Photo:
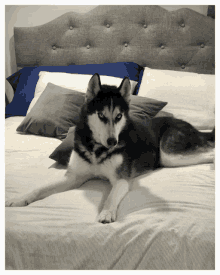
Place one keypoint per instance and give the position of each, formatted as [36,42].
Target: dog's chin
[102,145]
[110,146]
[106,145]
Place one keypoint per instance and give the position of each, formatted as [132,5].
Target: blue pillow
[29,76]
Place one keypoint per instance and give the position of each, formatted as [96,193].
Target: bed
[167,220]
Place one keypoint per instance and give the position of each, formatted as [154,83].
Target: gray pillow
[56,110]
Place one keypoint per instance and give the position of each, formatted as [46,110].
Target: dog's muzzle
[111,142]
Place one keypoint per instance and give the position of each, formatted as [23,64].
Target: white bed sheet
[167,220]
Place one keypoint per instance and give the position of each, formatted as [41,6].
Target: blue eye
[118,117]
[101,116]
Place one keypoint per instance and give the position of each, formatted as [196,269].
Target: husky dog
[109,144]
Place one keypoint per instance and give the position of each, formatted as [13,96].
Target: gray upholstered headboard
[148,35]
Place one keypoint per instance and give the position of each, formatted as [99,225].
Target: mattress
[166,221]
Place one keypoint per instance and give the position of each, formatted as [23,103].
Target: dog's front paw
[21,201]
[107,216]
[16,202]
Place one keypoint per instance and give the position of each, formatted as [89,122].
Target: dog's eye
[118,117]
[101,116]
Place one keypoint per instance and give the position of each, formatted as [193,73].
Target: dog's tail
[211,136]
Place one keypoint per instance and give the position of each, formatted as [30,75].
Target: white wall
[27,16]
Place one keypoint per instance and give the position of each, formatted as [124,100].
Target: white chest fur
[107,169]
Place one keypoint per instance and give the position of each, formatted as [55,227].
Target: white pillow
[190,96]
[76,82]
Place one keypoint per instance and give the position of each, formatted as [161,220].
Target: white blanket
[167,220]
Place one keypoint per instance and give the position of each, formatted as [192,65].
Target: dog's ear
[94,87]
[125,89]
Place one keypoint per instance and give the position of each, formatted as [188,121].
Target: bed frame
[182,40]
[60,232]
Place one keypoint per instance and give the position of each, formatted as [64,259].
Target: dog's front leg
[67,182]
[119,189]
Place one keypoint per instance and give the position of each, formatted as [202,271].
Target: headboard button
[162,47]
[71,27]
[108,26]
[202,45]
[182,25]
[145,26]
[126,44]
[183,66]
[54,47]
[88,46]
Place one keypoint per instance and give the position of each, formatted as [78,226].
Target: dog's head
[107,110]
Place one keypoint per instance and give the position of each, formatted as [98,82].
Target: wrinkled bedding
[167,220]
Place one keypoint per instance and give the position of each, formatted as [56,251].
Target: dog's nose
[111,141]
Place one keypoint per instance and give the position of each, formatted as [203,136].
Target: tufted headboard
[148,35]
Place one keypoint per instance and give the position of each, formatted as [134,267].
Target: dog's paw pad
[107,216]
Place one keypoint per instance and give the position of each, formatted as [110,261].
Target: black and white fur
[108,144]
